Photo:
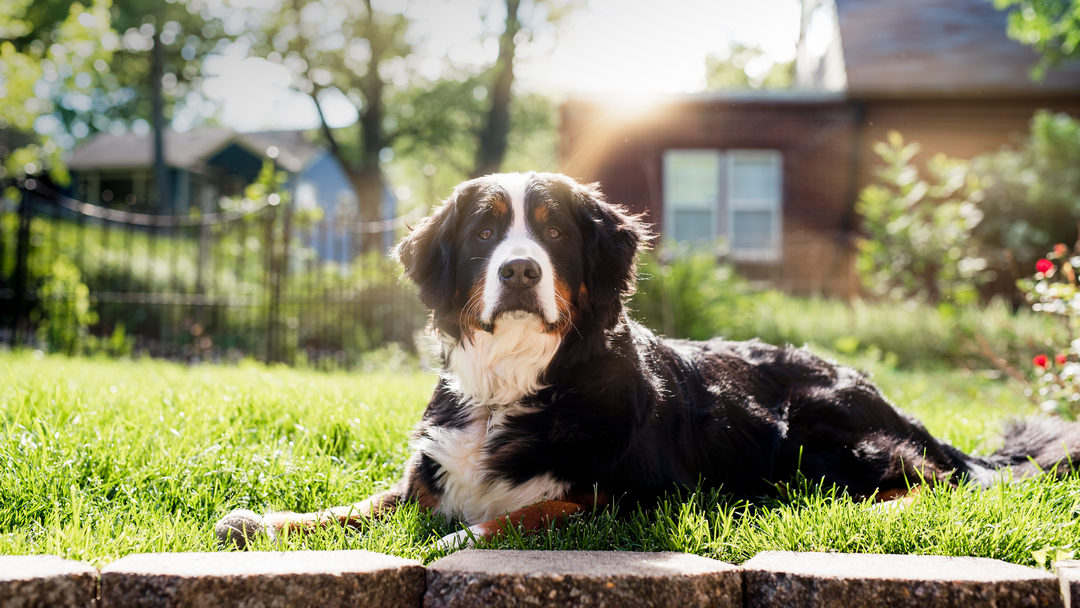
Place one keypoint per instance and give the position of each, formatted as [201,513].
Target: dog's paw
[462,539]
[240,527]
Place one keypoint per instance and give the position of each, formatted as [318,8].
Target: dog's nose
[520,273]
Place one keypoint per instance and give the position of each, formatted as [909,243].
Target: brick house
[775,175]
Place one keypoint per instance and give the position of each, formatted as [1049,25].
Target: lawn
[101,458]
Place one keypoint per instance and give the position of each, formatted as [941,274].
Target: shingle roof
[939,47]
[188,149]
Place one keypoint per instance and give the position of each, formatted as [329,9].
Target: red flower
[1061,358]
[1044,265]
[1041,361]
[1059,250]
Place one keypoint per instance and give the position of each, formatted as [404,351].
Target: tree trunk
[492,145]
[157,117]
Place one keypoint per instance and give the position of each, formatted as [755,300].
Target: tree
[494,132]
[155,65]
[747,67]
[80,43]
[350,49]
[119,90]
[1052,27]
[357,52]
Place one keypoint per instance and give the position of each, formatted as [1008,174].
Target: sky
[625,47]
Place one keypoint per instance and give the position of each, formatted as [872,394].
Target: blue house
[207,164]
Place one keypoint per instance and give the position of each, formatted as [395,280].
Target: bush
[687,293]
[65,304]
[694,297]
[918,231]
[1054,292]
[1031,196]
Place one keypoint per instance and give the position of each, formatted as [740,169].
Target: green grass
[103,458]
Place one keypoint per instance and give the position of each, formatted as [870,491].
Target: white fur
[519,242]
[469,491]
[501,367]
[462,539]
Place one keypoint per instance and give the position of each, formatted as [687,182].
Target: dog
[553,401]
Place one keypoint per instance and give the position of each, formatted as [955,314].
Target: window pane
[752,230]
[692,225]
[754,177]
[691,179]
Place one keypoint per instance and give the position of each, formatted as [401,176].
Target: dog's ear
[612,239]
[427,253]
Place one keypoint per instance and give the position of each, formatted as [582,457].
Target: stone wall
[531,578]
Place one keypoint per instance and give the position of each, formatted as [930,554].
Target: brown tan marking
[541,213]
[533,518]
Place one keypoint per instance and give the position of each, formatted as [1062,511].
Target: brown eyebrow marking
[541,213]
[498,207]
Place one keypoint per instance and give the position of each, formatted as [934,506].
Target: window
[691,195]
[753,203]
[734,196]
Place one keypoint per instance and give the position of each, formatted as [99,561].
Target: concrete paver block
[1068,572]
[844,580]
[32,581]
[581,578]
[256,579]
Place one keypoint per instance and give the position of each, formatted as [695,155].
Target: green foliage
[918,243]
[1052,27]
[1054,291]
[1031,196]
[65,304]
[747,67]
[117,91]
[692,296]
[686,293]
[79,44]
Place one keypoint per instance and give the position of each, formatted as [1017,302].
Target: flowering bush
[1054,290]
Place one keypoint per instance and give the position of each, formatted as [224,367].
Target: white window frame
[772,252]
[713,208]
[726,205]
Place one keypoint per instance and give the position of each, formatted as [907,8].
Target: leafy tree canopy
[1052,27]
[60,57]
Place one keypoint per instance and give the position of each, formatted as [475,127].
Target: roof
[939,47]
[189,149]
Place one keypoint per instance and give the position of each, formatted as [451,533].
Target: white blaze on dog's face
[520,277]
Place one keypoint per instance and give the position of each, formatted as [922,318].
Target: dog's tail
[1033,446]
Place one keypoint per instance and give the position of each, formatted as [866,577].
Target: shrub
[694,297]
[687,293]
[1055,291]
[918,231]
[65,304]
[1031,196]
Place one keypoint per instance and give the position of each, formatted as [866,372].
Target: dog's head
[523,245]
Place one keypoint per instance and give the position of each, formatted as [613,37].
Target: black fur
[629,413]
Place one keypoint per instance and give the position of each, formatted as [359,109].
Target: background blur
[221,180]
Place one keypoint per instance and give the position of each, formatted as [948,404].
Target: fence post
[22,251]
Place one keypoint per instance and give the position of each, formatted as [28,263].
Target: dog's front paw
[463,539]
[240,527]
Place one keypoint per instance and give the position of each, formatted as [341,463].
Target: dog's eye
[553,233]
[484,234]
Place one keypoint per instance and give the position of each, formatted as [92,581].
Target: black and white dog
[552,400]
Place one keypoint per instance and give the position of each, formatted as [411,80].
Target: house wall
[814,138]
[827,149]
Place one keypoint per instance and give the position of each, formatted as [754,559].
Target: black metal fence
[252,281]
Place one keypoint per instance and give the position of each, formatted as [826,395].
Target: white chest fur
[470,491]
[499,368]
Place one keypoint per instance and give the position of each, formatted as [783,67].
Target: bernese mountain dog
[551,400]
